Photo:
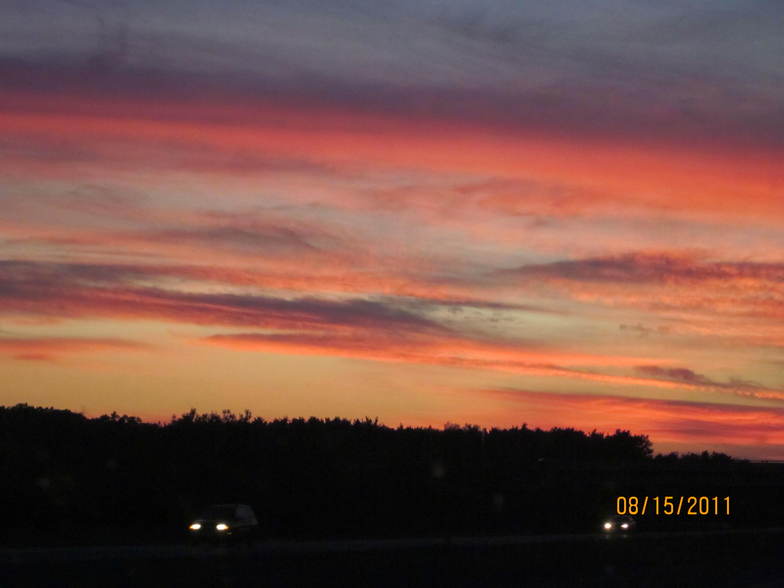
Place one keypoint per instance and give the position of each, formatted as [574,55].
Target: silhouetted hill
[316,477]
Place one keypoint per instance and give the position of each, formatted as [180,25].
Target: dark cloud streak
[641,268]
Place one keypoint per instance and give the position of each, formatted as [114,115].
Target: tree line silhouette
[63,473]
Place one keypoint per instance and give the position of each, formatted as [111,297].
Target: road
[716,558]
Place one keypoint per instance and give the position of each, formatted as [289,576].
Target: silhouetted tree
[62,471]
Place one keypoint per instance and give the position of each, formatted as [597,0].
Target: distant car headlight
[624,525]
[221,527]
[195,526]
[607,526]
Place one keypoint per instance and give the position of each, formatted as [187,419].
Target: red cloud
[666,421]
[663,177]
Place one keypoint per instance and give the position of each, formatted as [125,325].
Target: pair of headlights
[609,526]
[218,527]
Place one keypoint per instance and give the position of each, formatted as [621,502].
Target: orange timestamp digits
[673,505]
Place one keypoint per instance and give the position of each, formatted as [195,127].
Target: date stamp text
[673,505]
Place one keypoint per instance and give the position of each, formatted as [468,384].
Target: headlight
[624,525]
[608,526]
[221,527]
[195,526]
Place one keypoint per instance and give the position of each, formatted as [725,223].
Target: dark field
[65,475]
[736,558]
[520,505]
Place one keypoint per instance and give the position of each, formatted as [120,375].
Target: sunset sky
[554,213]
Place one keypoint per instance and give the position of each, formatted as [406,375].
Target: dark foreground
[738,558]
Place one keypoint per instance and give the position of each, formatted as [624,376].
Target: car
[224,523]
[618,524]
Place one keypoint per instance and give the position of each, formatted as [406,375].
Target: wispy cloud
[652,267]
[51,348]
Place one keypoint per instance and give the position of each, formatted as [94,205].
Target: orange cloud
[49,348]
[383,330]
[446,350]
[660,177]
